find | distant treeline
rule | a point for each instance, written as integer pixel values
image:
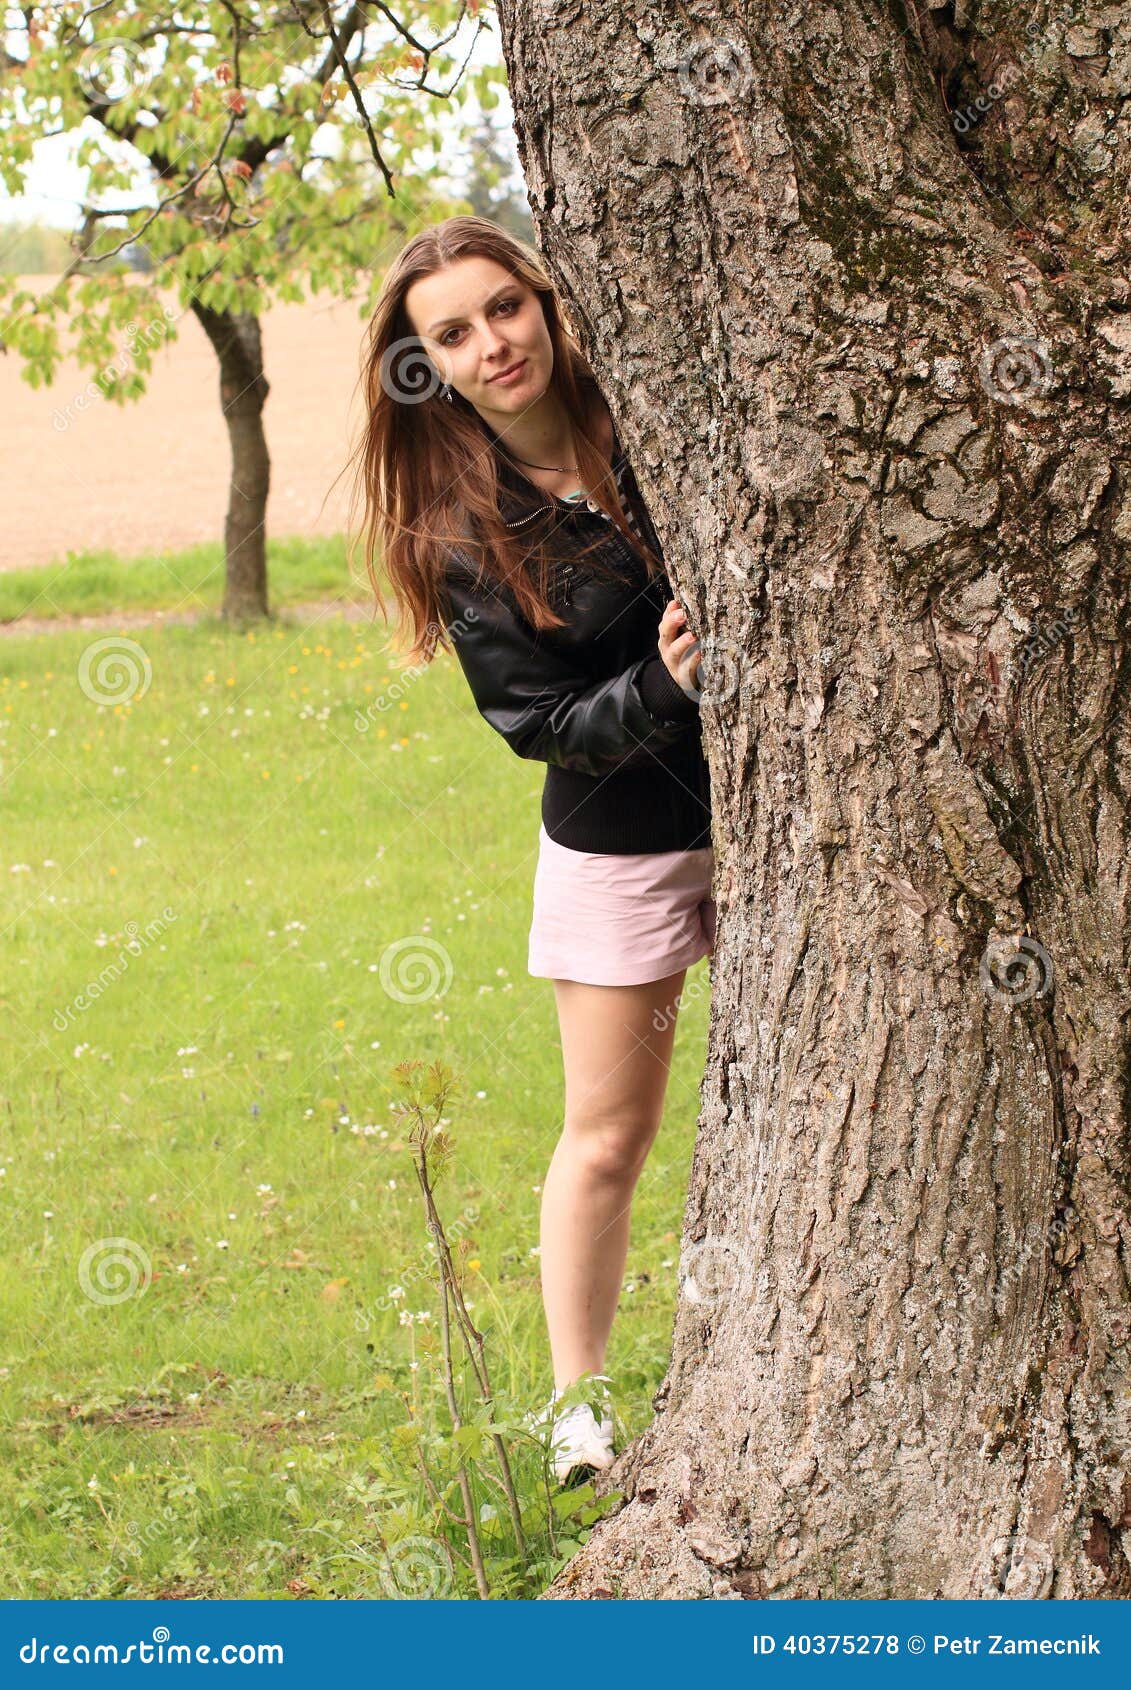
(39, 249)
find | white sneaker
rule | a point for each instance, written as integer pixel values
(580, 1443)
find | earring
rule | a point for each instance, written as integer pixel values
(447, 392)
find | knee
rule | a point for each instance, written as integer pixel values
(610, 1151)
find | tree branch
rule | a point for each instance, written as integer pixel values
(347, 72)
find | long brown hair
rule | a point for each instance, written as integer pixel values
(427, 470)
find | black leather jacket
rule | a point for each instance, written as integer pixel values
(592, 699)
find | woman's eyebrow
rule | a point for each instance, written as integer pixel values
(490, 300)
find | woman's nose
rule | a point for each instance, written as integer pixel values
(492, 343)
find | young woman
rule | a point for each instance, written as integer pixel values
(507, 518)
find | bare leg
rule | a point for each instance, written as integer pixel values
(616, 1046)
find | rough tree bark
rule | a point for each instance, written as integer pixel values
(237, 340)
(853, 279)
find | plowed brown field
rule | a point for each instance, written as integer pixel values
(80, 473)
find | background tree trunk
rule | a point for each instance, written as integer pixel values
(871, 356)
(238, 344)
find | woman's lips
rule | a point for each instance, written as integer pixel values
(509, 376)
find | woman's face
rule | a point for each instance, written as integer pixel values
(478, 322)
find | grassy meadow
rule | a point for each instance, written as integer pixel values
(89, 583)
(246, 873)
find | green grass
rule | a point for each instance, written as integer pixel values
(242, 1424)
(89, 583)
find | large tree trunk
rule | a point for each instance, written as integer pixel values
(237, 341)
(871, 356)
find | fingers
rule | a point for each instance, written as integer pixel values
(673, 618)
(679, 649)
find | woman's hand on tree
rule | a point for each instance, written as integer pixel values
(679, 647)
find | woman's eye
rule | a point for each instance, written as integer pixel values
(511, 304)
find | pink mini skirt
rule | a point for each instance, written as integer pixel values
(611, 920)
